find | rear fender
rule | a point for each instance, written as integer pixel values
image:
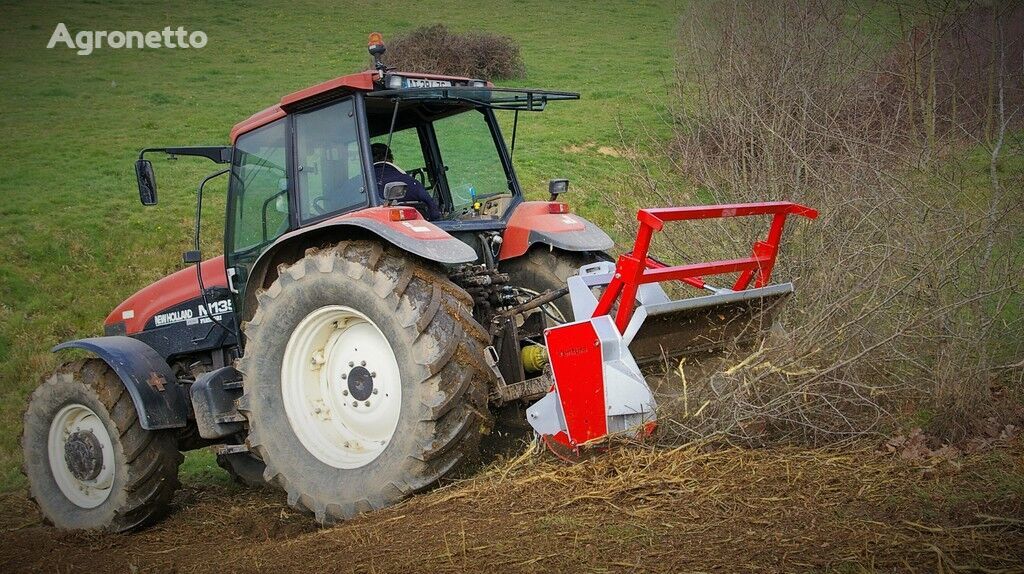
(158, 397)
(412, 234)
(534, 222)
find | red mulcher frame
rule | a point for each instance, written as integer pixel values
(637, 268)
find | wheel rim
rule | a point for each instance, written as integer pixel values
(341, 387)
(81, 456)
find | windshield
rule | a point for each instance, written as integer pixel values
(449, 155)
(472, 165)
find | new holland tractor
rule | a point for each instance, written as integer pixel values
(351, 345)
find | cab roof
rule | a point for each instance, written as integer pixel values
(360, 81)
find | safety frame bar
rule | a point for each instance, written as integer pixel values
(637, 268)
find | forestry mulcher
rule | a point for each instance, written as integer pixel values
(371, 319)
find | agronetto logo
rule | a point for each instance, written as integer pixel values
(86, 41)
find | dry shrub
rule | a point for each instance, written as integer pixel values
(909, 287)
(437, 50)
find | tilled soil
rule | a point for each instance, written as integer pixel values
(627, 510)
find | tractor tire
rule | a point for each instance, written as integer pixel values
(88, 462)
(364, 379)
(543, 269)
(244, 468)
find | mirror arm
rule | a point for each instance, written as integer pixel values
(515, 125)
(197, 254)
(216, 154)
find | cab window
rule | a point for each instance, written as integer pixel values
(259, 187)
(328, 162)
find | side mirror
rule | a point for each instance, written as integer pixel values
(557, 186)
(395, 190)
(147, 181)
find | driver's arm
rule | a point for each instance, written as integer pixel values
(416, 192)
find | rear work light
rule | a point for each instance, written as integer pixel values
(403, 213)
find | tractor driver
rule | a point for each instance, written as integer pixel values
(385, 171)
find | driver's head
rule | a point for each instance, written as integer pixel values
(381, 152)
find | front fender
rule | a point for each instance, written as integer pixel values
(158, 398)
(534, 222)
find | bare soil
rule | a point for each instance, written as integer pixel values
(779, 509)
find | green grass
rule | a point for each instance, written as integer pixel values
(76, 241)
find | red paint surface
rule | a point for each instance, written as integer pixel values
(578, 370)
(637, 268)
(534, 216)
(414, 227)
(176, 288)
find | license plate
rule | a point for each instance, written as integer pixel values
(425, 83)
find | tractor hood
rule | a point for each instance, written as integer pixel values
(169, 301)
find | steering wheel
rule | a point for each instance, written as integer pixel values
(319, 206)
(420, 174)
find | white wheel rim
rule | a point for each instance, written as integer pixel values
(341, 387)
(76, 418)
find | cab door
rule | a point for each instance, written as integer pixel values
(329, 162)
(259, 200)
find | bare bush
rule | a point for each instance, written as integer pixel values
(436, 49)
(909, 285)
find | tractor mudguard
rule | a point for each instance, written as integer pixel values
(158, 398)
(549, 223)
(400, 226)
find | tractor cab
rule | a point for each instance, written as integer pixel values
(311, 159)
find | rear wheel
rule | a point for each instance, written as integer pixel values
(88, 462)
(545, 269)
(365, 379)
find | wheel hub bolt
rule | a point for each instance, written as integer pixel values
(351, 363)
(373, 374)
(375, 391)
(344, 392)
(362, 363)
(355, 403)
(367, 403)
(344, 376)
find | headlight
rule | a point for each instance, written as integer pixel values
(394, 82)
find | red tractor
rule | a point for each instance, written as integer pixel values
(354, 344)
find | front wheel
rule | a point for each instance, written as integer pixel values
(364, 377)
(88, 462)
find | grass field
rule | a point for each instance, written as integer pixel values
(75, 239)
